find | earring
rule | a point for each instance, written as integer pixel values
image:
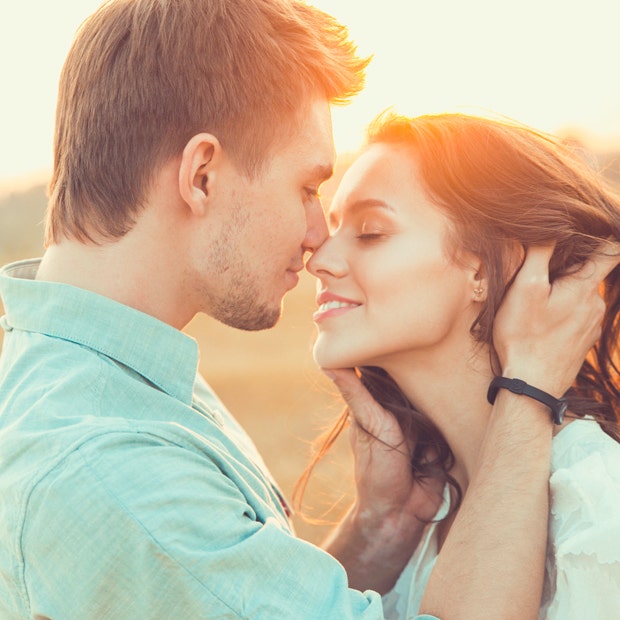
(478, 292)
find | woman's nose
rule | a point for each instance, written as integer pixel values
(328, 259)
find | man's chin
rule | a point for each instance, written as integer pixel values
(254, 319)
(259, 326)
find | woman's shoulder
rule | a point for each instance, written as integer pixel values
(583, 555)
(585, 492)
(577, 443)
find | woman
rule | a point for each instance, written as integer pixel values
(428, 226)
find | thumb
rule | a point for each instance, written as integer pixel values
(535, 267)
(363, 407)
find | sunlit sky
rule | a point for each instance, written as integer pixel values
(552, 64)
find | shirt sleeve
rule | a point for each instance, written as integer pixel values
(583, 566)
(142, 528)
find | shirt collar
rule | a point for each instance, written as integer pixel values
(161, 354)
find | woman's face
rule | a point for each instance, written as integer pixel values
(388, 290)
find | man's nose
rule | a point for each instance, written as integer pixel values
(316, 228)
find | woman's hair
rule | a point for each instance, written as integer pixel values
(504, 188)
(144, 76)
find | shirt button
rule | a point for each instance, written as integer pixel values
(217, 416)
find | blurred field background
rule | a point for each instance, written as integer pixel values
(268, 379)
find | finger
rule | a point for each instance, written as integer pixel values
(535, 267)
(603, 263)
(593, 272)
(357, 397)
(364, 408)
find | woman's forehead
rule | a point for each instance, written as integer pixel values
(380, 173)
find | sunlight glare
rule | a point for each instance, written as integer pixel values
(549, 64)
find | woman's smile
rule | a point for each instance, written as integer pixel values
(331, 305)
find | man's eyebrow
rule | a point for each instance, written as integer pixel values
(360, 205)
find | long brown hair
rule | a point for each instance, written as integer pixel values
(144, 76)
(502, 186)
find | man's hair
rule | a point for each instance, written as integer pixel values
(144, 76)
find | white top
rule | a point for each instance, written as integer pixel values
(582, 577)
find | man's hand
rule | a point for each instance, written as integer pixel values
(391, 508)
(384, 481)
(494, 554)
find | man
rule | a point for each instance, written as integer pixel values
(191, 139)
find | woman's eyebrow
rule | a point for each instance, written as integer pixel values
(360, 205)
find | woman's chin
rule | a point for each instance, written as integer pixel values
(325, 362)
(330, 359)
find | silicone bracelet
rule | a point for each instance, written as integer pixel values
(558, 406)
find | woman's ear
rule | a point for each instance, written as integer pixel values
(197, 171)
(479, 281)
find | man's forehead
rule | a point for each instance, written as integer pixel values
(315, 132)
(309, 147)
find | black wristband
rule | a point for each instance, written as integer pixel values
(558, 406)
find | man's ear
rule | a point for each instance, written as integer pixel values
(198, 169)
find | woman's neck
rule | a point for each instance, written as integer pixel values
(453, 397)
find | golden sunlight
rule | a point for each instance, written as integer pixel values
(548, 64)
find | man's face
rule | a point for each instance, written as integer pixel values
(268, 223)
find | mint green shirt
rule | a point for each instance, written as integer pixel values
(126, 489)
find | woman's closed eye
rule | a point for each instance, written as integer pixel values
(370, 236)
(372, 231)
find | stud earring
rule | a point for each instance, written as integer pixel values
(478, 291)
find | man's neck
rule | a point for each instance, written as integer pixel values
(127, 270)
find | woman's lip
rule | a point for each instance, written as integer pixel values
(326, 296)
(320, 315)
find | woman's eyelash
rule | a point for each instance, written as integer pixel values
(369, 236)
(370, 231)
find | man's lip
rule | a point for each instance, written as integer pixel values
(294, 277)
